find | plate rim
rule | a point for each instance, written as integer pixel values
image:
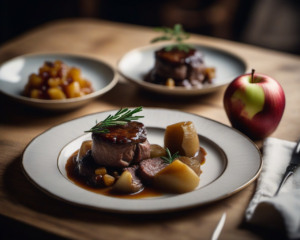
(142, 211)
(174, 90)
(97, 93)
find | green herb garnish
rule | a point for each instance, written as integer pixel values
(170, 157)
(122, 117)
(176, 34)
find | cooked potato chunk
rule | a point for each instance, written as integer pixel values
(85, 146)
(125, 184)
(176, 178)
(182, 137)
(157, 151)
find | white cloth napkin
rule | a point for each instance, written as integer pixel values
(282, 211)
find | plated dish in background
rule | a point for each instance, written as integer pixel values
(15, 72)
(179, 64)
(137, 63)
(57, 80)
(232, 163)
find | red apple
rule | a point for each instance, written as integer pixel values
(254, 104)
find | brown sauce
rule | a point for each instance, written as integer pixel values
(147, 192)
(201, 155)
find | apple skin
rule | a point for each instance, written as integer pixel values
(254, 109)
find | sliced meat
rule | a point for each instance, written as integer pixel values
(122, 146)
(148, 168)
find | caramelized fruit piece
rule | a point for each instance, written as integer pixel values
(193, 163)
(35, 93)
(108, 180)
(176, 178)
(101, 171)
(35, 80)
(56, 93)
(157, 151)
(125, 184)
(182, 137)
(170, 82)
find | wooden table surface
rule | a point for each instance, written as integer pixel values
(22, 201)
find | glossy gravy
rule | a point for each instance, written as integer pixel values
(80, 181)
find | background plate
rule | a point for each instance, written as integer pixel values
(135, 64)
(15, 72)
(232, 163)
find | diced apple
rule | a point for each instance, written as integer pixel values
(125, 184)
(85, 146)
(182, 137)
(176, 178)
(108, 180)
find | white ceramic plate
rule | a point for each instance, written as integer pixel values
(135, 64)
(15, 72)
(232, 162)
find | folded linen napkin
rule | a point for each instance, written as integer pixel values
(282, 211)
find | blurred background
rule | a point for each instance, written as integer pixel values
(273, 24)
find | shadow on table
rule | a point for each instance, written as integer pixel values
(21, 191)
(126, 94)
(12, 229)
(10, 109)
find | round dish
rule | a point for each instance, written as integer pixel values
(15, 72)
(135, 64)
(232, 163)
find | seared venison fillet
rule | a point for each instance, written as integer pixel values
(149, 167)
(185, 68)
(124, 145)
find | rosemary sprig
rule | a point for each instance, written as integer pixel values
(176, 34)
(122, 117)
(170, 157)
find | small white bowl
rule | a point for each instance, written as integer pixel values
(135, 64)
(15, 72)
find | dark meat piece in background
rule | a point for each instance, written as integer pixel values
(124, 145)
(148, 168)
(179, 66)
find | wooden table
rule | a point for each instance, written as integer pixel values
(22, 201)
